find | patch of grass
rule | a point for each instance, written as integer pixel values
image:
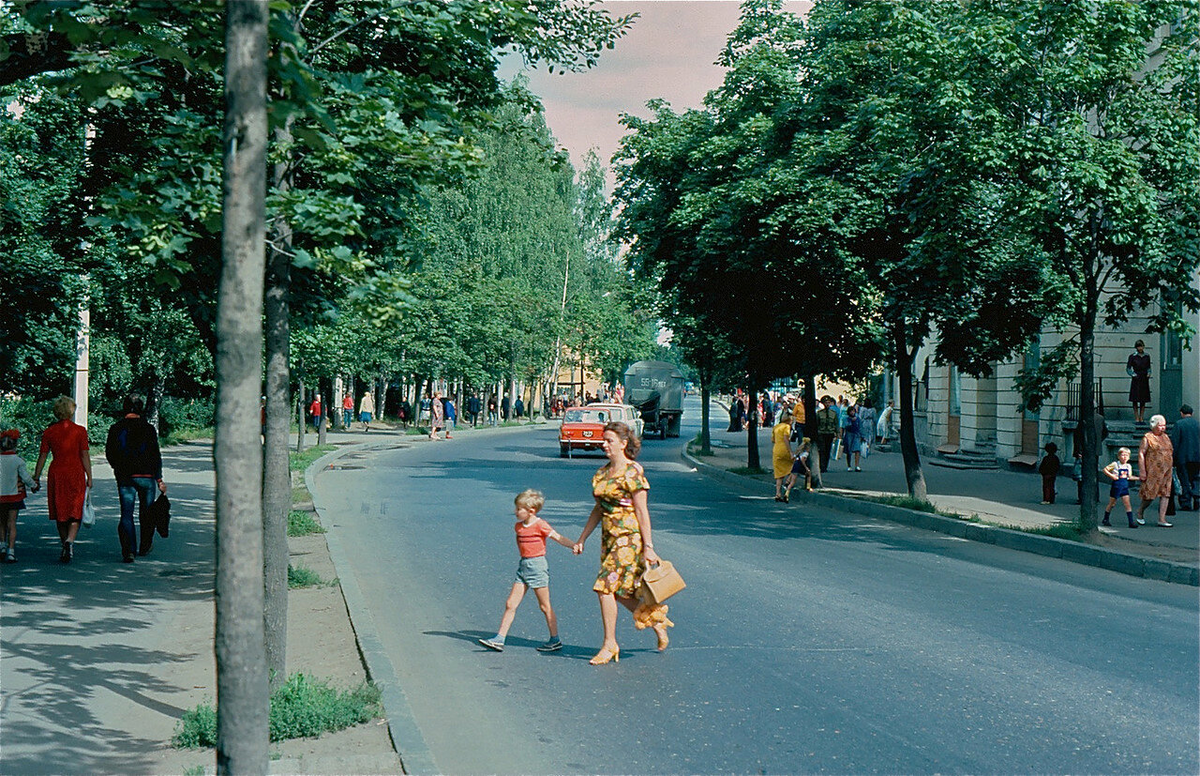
(748, 470)
(179, 435)
(196, 728)
(300, 577)
(304, 707)
(916, 504)
(303, 524)
(195, 770)
(1068, 531)
(301, 461)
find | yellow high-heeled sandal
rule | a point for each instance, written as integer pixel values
(606, 655)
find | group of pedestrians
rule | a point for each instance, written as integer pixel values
(131, 449)
(621, 511)
(849, 430)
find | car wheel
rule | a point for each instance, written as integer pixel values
(564, 451)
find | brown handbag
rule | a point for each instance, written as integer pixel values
(660, 582)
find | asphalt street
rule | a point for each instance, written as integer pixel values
(807, 641)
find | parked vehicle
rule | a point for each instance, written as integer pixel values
(656, 389)
(583, 427)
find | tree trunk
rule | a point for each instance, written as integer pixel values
(752, 458)
(277, 477)
(242, 693)
(302, 416)
(157, 390)
(908, 436)
(810, 429)
(705, 433)
(1089, 498)
(323, 422)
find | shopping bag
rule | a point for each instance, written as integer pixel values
(866, 450)
(89, 512)
(836, 454)
(159, 512)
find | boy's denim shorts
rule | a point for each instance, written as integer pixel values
(534, 572)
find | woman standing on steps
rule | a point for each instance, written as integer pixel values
(1138, 368)
(627, 546)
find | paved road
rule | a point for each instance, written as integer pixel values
(806, 642)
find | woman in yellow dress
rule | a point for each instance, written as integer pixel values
(781, 452)
(627, 547)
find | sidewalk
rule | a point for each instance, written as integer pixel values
(999, 498)
(99, 659)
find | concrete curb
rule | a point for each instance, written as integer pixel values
(410, 745)
(1049, 546)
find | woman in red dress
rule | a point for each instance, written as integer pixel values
(70, 474)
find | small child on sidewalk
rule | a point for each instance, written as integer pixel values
(14, 479)
(533, 571)
(1120, 472)
(799, 468)
(1048, 468)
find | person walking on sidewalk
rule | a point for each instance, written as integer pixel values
(437, 415)
(451, 413)
(314, 410)
(14, 481)
(1185, 438)
(1154, 465)
(1048, 468)
(533, 571)
(852, 438)
(132, 451)
(781, 453)
(827, 420)
(366, 410)
(1120, 472)
(883, 427)
(70, 475)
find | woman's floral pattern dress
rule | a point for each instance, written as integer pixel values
(1159, 454)
(621, 539)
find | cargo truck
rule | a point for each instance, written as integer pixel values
(656, 389)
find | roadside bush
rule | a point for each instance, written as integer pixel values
(299, 577)
(302, 524)
(179, 416)
(304, 707)
(30, 417)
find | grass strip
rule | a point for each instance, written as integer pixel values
(304, 707)
(300, 577)
(303, 524)
(301, 461)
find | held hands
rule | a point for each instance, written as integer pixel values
(577, 548)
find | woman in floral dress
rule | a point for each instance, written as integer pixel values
(1154, 466)
(627, 545)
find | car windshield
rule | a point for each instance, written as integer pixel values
(585, 416)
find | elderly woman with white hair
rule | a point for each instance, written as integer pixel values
(1154, 467)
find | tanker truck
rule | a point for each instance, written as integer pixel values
(656, 389)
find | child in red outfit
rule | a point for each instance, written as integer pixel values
(533, 571)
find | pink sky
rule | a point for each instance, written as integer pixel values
(668, 53)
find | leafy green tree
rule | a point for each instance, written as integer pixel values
(1097, 105)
